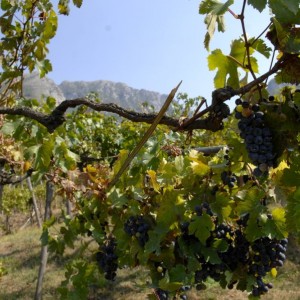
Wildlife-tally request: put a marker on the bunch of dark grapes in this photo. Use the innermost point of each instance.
(266, 254)
(208, 269)
(138, 227)
(257, 136)
(257, 258)
(161, 294)
(203, 207)
(107, 259)
(229, 179)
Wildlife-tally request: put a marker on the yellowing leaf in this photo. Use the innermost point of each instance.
(90, 169)
(198, 164)
(283, 165)
(273, 272)
(199, 168)
(279, 218)
(153, 180)
(121, 159)
(26, 166)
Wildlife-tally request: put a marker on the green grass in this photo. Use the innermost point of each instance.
(20, 256)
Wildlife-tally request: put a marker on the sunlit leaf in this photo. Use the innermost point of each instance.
(153, 180)
(201, 227)
(258, 4)
(287, 11)
(78, 3)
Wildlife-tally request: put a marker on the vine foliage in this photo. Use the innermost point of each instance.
(208, 192)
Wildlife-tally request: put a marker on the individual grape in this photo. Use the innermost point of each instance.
(271, 98)
(239, 108)
(245, 104)
(255, 107)
(238, 101)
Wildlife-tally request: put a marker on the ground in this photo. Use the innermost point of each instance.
(20, 252)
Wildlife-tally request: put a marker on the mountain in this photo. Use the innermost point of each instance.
(107, 91)
(41, 88)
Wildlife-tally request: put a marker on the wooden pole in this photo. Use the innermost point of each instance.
(36, 209)
(44, 250)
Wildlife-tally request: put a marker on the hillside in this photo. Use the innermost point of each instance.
(107, 91)
(41, 88)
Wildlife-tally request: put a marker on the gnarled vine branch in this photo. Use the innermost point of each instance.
(56, 117)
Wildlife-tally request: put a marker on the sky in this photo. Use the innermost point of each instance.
(147, 44)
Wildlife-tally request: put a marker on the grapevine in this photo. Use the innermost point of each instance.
(215, 204)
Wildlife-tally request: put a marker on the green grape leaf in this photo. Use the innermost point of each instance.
(77, 3)
(40, 50)
(44, 154)
(290, 177)
(63, 7)
(68, 236)
(211, 21)
(279, 219)
(253, 230)
(225, 66)
(44, 67)
(214, 7)
(222, 206)
(258, 4)
(284, 36)
(248, 201)
(50, 25)
(116, 198)
(285, 10)
(45, 237)
(9, 128)
(168, 285)
(293, 212)
(214, 11)
(155, 237)
(260, 46)
(201, 227)
(211, 255)
(238, 51)
(178, 273)
(6, 4)
(220, 245)
(171, 206)
(121, 159)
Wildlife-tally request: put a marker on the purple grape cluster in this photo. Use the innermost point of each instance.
(257, 258)
(138, 227)
(107, 259)
(229, 178)
(257, 136)
(162, 294)
(266, 254)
